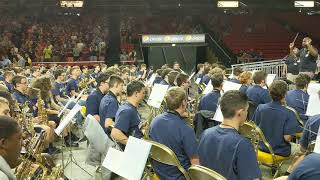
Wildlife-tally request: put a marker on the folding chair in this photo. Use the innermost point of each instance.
(202, 173)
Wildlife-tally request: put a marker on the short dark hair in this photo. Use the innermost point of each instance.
(181, 78)
(17, 79)
(8, 127)
(114, 79)
(58, 73)
(278, 90)
(103, 77)
(302, 81)
(172, 77)
(199, 66)
(165, 72)
(134, 86)
(216, 79)
(8, 73)
(237, 71)
(231, 102)
(259, 76)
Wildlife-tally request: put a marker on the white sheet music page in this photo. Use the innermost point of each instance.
(314, 101)
(208, 88)
(228, 86)
(67, 119)
(218, 115)
(317, 145)
(157, 95)
(151, 79)
(270, 78)
(198, 80)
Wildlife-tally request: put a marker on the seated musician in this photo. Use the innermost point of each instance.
(109, 104)
(20, 84)
(127, 118)
(10, 147)
(182, 80)
(59, 87)
(8, 75)
(72, 88)
(298, 98)
(164, 76)
(223, 149)
(206, 76)
(210, 101)
(236, 73)
(172, 130)
(94, 99)
(256, 93)
(278, 123)
(245, 79)
(158, 77)
(4, 107)
(200, 74)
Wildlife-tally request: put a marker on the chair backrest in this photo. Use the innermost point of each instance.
(296, 114)
(165, 155)
(255, 134)
(202, 173)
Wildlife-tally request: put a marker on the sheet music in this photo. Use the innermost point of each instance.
(66, 106)
(157, 95)
(313, 88)
(151, 80)
(130, 163)
(198, 80)
(228, 86)
(314, 101)
(208, 88)
(66, 120)
(218, 115)
(270, 78)
(317, 145)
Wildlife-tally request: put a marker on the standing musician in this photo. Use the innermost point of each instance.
(308, 57)
(292, 64)
(172, 130)
(210, 101)
(94, 99)
(256, 93)
(10, 147)
(128, 122)
(299, 98)
(278, 123)
(109, 104)
(223, 149)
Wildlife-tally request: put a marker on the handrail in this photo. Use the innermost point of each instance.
(214, 41)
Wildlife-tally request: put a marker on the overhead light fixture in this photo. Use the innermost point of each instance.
(228, 4)
(71, 4)
(302, 4)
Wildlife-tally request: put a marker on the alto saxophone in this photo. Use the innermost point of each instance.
(42, 112)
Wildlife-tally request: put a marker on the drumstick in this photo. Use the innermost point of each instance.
(295, 38)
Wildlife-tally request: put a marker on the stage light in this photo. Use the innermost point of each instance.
(228, 4)
(71, 4)
(302, 4)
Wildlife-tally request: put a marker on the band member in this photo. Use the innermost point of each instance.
(245, 79)
(200, 74)
(172, 130)
(277, 123)
(109, 104)
(256, 93)
(143, 72)
(299, 98)
(94, 99)
(308, 57)
(292, 64)
(4, 107)
(164, 76)
(176, 67)
(127, 117)
(172, 77)
(223, 149)
(10, 147)
(8, 76)
(59, 87)
(182, 80)
(72, 88)
(210, 101)
(236, 72)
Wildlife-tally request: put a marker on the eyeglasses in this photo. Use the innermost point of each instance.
(23, 82)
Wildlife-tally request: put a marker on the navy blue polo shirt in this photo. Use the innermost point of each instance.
(72, 84)
(275, 121)
(172, 131)
(20, 97)
(292, 65)
(157, 80)
(225, 151)
(9, 86)
(210, 101)
(199, 75)
(312, 125)
(205, 79)
(234, 80)
(243, 89)
(258, 95)
(108, 108)
(93, 102)
(308, 63)
(128, 120)
(59, 89)
(308, 168)
(298, 100)
(163, 82)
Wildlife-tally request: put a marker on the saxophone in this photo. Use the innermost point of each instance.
(42, 112)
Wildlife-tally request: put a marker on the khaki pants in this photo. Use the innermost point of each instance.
(291, 77)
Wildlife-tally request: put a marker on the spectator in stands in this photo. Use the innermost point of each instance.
(308, 57)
